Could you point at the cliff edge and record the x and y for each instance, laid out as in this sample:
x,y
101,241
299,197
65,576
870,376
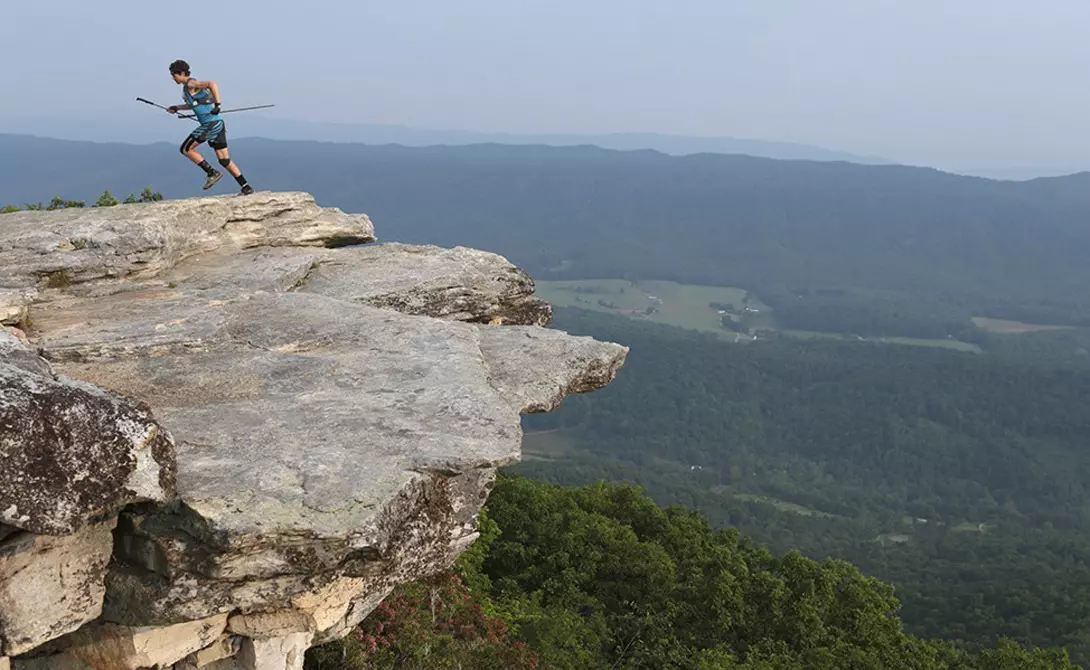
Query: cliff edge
x,y
230,426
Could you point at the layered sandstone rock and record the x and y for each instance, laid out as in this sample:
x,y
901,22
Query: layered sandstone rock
x,y
293,425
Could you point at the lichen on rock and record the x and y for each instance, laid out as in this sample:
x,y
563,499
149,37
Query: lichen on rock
x,y
72,451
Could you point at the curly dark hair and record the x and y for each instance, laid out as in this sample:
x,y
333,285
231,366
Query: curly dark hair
x,y
179,67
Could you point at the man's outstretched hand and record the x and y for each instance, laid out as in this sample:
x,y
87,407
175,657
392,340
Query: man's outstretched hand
x,y
173,109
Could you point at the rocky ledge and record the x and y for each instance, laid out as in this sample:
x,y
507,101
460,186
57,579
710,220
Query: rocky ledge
x,y
230,426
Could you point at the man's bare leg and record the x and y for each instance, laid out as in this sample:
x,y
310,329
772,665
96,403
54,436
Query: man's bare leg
x,y
224,156
189,150
194,156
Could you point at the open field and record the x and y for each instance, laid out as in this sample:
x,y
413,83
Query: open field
x,y
682,305
956,345
782,505
1004,327
969,527
691,307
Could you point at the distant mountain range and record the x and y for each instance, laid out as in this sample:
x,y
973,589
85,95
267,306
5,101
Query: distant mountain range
x,y
151,127
146,126
1023,173
676,145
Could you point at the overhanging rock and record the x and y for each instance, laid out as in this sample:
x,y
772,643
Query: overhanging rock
x,y
338,412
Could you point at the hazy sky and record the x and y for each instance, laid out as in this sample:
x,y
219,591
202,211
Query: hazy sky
x,y
940,82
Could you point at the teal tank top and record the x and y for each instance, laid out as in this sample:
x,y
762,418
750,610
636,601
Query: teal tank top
x,y
201,104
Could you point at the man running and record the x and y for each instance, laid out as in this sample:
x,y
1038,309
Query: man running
x,y
203,97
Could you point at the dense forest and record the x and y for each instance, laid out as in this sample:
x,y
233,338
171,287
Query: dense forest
x,y
601,577
960,478
836,247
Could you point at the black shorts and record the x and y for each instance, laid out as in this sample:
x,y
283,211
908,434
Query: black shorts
x,y
215,133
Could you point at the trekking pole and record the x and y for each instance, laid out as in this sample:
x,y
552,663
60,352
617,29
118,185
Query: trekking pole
x,y
193,116
228,111
149,102
155,104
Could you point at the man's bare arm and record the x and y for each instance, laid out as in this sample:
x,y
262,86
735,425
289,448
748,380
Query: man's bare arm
x,y
202,85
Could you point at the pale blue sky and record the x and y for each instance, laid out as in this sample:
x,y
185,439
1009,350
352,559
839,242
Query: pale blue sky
x,y
940,82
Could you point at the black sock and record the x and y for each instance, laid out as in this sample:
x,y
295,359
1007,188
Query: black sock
x,y
240,179
206,167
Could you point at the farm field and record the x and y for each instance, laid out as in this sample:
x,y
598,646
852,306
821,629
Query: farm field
x,y
693,307
1004,327
682,305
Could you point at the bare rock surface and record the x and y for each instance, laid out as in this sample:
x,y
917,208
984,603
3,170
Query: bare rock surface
x,y
106,645
14,304
338,414
16,352
460,283
64,248
50,586
333,420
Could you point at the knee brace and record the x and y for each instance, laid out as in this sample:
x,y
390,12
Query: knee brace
x,y
186,145
225,162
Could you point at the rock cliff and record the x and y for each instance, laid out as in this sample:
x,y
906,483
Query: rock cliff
x,y
230,426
